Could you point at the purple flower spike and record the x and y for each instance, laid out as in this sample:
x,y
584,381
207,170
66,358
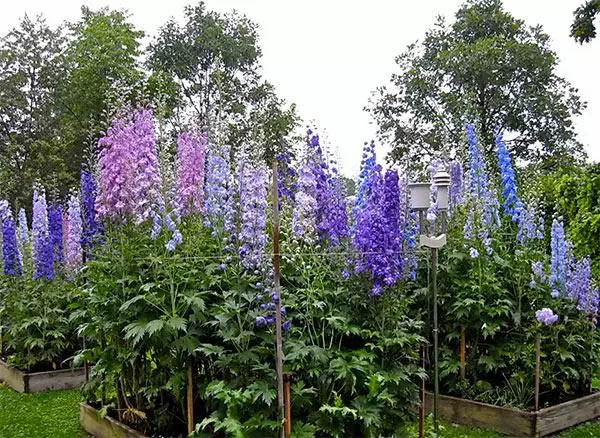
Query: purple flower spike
x,y
190,172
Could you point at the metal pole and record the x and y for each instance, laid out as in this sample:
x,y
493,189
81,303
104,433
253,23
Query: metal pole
x,y
422,396
436,378
276,290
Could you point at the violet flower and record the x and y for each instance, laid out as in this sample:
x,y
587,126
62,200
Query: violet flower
x,y
546,316
190,172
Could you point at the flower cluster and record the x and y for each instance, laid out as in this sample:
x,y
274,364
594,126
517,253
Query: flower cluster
x,y
455,193
513,206
41,248
190,172
334,224
530,226
304,221
23,230
11,258
579,287
286,176
91,227
129,180
546,316
376,237
369,159
74,234
253,181
55,235
410,231
559,260
218,207
483,212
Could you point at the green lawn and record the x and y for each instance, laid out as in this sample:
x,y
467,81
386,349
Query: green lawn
x,y
55,414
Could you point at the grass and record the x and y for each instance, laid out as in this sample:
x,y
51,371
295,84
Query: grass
x,y
53,414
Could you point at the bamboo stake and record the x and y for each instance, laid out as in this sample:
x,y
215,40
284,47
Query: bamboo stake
x,y
463,347
287,400
538,342
190,399
276,289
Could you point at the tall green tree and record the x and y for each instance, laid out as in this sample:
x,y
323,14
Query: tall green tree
x,y
30,144
583,28
487,66
103,73
212,61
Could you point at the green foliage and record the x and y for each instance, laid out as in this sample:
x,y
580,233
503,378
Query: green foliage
x,y
39,321
583,28
30,69
102,72
492,300
574,195
212,61
487,66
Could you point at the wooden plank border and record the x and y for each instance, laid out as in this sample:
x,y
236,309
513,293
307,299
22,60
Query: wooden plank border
x,y
514,422
508,421
104,427
565,415
42,381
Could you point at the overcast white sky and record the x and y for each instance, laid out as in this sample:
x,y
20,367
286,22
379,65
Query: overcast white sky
x,y
327,56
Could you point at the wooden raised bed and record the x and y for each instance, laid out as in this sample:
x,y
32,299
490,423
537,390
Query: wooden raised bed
x,y
514,422
43,381
104,427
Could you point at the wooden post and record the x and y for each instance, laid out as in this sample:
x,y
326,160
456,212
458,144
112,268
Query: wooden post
x,y
119,400
538,342
190,399
591,371
287,400
422,394
463,347
276,290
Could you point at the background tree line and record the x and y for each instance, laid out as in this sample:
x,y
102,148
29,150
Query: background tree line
x,y
60,87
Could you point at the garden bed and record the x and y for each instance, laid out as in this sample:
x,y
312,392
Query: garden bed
x,y
515,422
41,381
104,427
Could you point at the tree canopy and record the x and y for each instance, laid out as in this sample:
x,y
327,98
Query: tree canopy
x,y
583,28
60,88
489,67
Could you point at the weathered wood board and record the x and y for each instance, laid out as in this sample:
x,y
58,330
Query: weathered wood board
x,y
43,381
104,427
508,421
564,415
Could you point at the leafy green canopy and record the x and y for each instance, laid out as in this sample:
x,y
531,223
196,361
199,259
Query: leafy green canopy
x,y
487,66
583,28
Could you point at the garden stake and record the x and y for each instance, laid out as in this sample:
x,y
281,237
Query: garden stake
x,y
276,288
538,341
287,400
436,371
462,353
422,396
190,399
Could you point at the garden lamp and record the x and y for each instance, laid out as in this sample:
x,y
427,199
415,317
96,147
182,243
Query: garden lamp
x,y
420,201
